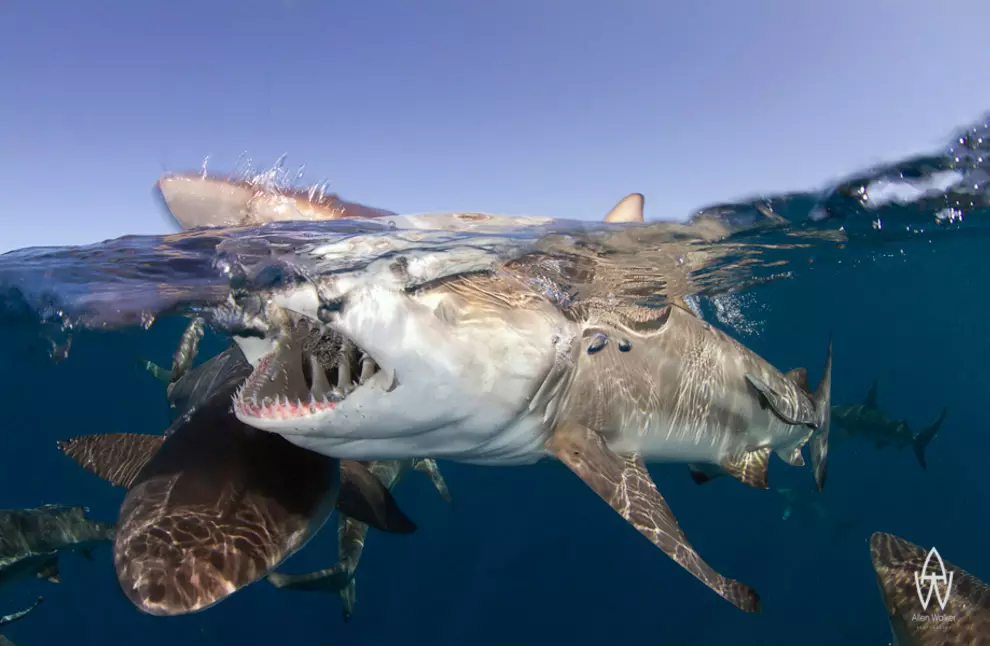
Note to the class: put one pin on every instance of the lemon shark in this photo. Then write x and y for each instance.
(503, 366)
(214, 505)
(929, 602)
(506, 365)
(16, 616)
(867, 421)
(351, 534)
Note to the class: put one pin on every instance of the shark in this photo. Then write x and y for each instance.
(351, 534)
(214, 505)
(16, 616)
(508, 366)
(351, 531)
(868, 422)
(516, 361)
(929, 602)
(31, 540)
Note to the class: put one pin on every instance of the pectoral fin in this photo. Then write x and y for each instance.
(363, 497)
(625, 484)
(750, 468)
(116, 457)
(430, 468)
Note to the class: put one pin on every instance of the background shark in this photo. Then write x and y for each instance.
(866, 421)
(351, 535)
(804, 505)
(15, 616)
(31, 540)
(901, 572)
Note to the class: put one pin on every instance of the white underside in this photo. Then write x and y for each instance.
(659, 438)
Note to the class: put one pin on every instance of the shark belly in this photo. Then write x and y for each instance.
(668, 437)
(518, 442)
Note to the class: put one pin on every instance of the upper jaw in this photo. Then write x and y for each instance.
(307, 370)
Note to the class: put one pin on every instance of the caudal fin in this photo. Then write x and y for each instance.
(926, 435)
(819, 440)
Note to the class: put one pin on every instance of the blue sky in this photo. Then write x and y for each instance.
(516, 106)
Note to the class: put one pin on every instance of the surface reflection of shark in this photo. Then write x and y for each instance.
(14, 616)
(868, 422)
(957, 612)
(805, 506)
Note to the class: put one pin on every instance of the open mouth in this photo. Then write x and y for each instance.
(310, 370)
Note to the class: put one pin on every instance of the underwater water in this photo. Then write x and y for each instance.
(890, 262)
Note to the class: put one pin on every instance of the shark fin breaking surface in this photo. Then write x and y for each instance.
(629, 209)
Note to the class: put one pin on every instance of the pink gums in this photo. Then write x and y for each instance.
(282, 409)
(279, 408)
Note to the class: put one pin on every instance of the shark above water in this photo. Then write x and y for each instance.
(351, 535)
(31, 540)
(868, 422)
(929, 602)
(16, 616)
(214, 505)
(512, 365)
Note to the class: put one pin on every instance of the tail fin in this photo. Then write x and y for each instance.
(926, 435)
(819, 440)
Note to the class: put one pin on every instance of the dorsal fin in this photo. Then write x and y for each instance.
(629, 209)
(800, 377)
(871, 395)
(115, 457)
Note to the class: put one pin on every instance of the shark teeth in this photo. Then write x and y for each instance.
(282, 407)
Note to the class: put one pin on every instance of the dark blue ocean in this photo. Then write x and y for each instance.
(528, 555)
